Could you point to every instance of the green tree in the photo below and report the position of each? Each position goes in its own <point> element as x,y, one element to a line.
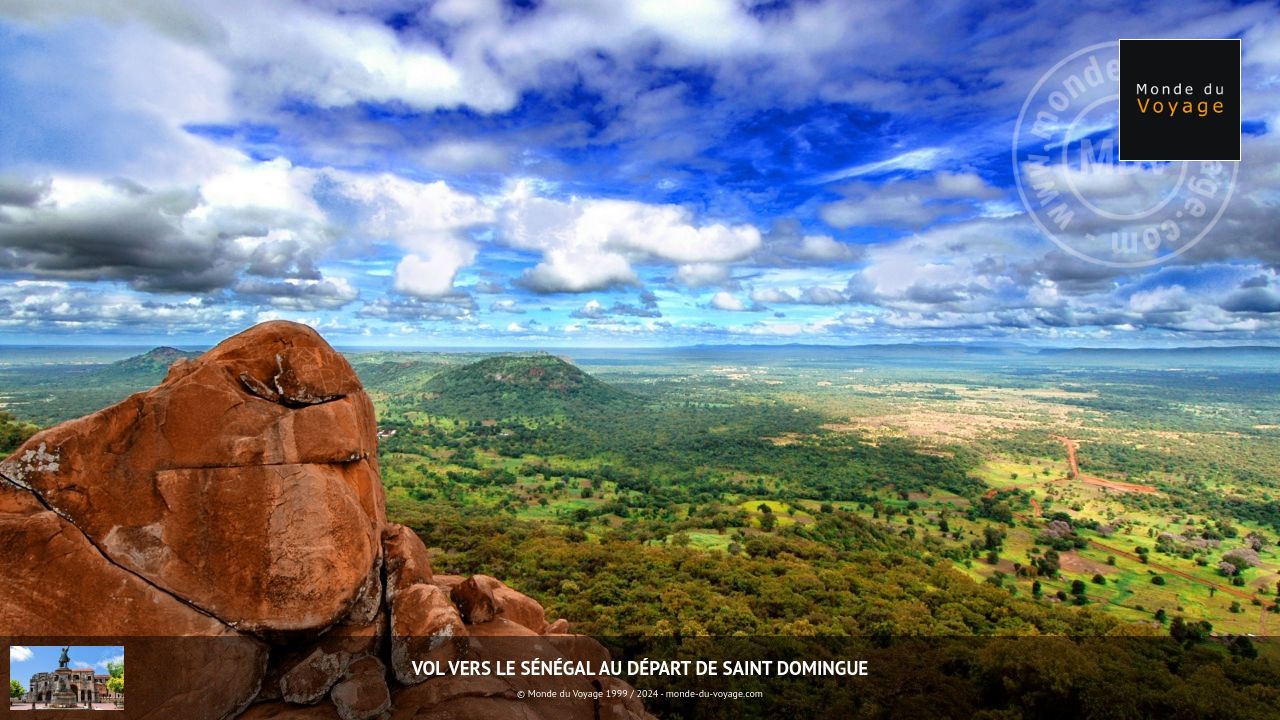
<point>16,690</point>
<point>115,683</point>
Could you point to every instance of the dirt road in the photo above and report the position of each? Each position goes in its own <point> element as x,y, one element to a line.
<point>1172,571</point>
<point>1097,481</point>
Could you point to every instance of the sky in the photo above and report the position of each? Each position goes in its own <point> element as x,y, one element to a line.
<point>589,173</point>
<point>27,660</point>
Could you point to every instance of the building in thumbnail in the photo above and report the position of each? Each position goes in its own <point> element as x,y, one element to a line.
<point>69,685</point>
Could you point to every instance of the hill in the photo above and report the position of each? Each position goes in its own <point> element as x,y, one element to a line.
<point>143,370</point>
<point>519,385</point>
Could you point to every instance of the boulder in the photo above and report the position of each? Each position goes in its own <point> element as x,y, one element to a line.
<point>282,711</point>
<point>363,692</point>
<point>424,626</point>
<point>407,560</point>
<point>481,598</point>
<point>56,582</point>
<point>245,484</point>
<point>310,679</point>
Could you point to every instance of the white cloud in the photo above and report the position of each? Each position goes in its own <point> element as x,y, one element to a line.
<point>255,217</point>
<point>464,156</point>
<point>919,159</point>
<point>589,244</point>
<point>563,270</point>
<point>113,659</point>
<point>18,653</point>
<point>427,219</point>
<point>506,305</point>
<point>431,275</point>
<point>727,301</point>
<point>771,295</point>
<point>908,203</point>
<point>698,275</point>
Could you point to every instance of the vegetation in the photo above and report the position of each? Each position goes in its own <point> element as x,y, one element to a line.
<point>115,683</point>
<point>13,432</point>
<point>518,386</point>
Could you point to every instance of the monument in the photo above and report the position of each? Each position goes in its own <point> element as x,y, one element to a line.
<point>64,695</point>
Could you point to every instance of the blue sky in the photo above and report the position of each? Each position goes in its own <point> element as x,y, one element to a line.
<point>592,173</point>
<point>27,660</point>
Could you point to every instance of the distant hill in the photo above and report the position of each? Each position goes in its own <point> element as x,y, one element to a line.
<point>511,385</point>
<point>143,370</point>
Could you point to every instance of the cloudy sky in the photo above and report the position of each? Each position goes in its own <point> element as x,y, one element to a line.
<point>590,172</point>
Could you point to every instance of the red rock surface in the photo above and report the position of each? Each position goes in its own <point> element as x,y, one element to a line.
<point>481,598</point>
<point>239,503</point>
<point>263,512</point>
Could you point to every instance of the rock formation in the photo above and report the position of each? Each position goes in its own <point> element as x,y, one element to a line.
<point>238,506</point>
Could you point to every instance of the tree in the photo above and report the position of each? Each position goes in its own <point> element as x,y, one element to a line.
<point>767,521</point>
<point>16,690</point>
<point>1157,580</point>
<point>115,683</point>
<point>1098,579</point>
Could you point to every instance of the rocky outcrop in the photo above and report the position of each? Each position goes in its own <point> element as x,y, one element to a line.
<point>234,517</point>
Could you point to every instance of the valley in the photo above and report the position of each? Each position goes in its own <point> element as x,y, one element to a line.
<point>797,491</point>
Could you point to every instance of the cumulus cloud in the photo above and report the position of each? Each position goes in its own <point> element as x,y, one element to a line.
<point>909,203</point>
<point>52,306</point>
<point>724,300</point>
<point>412,309</point>
<point>18,653</point>
<point>299,294</point>
<point>430,220</point>
<point>254,218</point>
<point>788,245</point>
<point>595,310</point>
<point>506,305</point>
<point>697,275</point>
<point>589,244</point>
<point>102,664</point>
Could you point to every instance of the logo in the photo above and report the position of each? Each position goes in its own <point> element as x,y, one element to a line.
<point>1180,100</point>
<point>1082,196</point>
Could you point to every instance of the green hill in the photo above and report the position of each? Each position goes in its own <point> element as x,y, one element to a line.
<point>519,385</point>
<point>142,371</point>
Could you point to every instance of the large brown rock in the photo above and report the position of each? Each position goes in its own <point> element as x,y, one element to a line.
<point>363,692</point>
<point>424,626</point>
<point>57,584</point>
<point>245,484</point>
<point>310,679</point>
<point>481,598</point>
<point>407,560</point>
<point>284,711</point>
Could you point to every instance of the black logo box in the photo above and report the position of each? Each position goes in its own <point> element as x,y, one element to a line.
<point>1180,64</point>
